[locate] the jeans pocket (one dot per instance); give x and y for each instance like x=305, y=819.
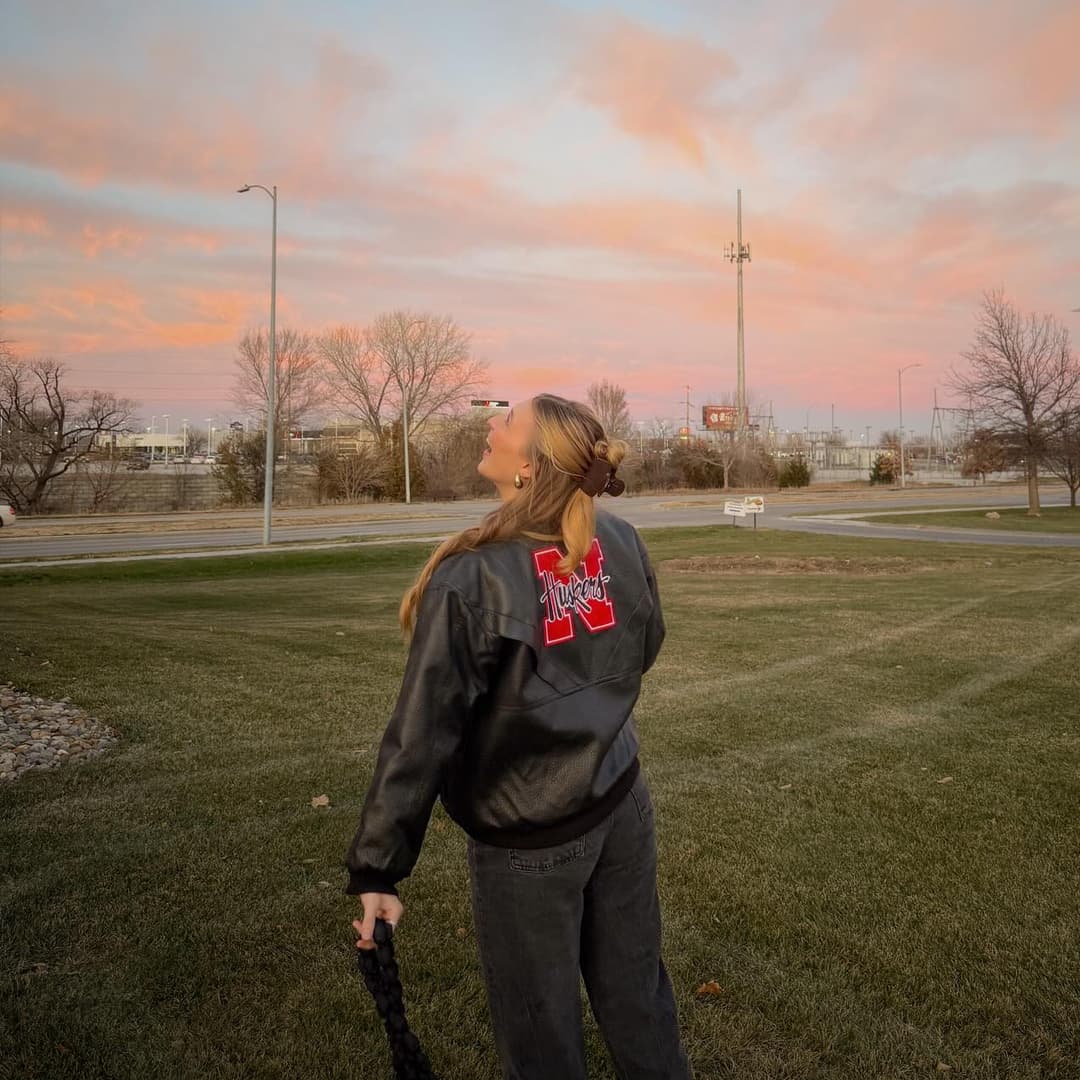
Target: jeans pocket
x=544, y=860
x=642, y=798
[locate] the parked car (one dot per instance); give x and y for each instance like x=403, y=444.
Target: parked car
x=179, y=460
x=7, y=514
x=198, y=459
x=138, y=463
x=211, y=459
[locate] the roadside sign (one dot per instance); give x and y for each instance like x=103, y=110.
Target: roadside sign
x=734, y=508
x=754, y=504
x=491, y=403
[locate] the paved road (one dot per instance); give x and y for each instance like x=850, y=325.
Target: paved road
x=842, y=527
x=191, y=532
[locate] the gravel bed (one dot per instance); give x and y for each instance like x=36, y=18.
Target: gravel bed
x=39, y=733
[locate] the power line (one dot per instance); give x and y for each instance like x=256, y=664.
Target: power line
x=127, y=371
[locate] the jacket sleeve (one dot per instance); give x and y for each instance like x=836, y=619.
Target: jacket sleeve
x=655, y=630
x=451, y=658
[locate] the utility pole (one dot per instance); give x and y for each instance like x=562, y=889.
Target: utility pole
x=405, y=430
x=900, y=402
x=739, y=253
x=687, y=403
x=936, y=426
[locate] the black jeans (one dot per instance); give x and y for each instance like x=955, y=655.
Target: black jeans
x=589, y=905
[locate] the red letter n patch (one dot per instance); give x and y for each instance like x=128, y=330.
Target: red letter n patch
x=564, y=596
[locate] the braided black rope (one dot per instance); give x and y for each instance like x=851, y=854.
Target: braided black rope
x=380, y=972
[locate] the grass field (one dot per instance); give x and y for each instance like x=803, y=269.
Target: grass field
x=865, y=916
x=1053, y=519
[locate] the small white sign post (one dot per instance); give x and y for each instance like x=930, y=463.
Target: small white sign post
x=736, y=508
x=752, y=505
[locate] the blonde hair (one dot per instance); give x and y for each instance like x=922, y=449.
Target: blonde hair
x=552, y=506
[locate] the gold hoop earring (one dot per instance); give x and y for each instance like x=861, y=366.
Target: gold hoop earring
x=518, y=482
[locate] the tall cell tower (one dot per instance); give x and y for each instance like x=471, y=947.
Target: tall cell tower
x=739, y=253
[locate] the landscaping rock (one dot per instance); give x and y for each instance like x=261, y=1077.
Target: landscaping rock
x=39, y=734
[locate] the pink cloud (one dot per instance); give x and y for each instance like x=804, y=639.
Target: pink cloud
x=86, y=314
x=53, y=226
x=939, y=78
x=94, y=125
x=657, y=87
x=95, y=241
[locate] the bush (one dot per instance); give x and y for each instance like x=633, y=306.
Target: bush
x=757, y=468
x=391, y=451
x=450, y=456
x=883, y=470
x=794, y=473
x=240, y=468
x=351, y=477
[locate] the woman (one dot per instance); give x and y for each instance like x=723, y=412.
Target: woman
x=530, y=634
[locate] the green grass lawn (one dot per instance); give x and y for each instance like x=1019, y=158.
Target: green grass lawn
x=1053, y=519
x=863, y=918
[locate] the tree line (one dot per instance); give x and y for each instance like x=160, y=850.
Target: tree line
x=1022, y=382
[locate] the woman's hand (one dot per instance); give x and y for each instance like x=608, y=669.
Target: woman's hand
x=376, y=906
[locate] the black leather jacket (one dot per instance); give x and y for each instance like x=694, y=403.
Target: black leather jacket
x=516, y=706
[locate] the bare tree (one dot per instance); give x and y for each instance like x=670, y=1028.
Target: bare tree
x=359, y=380
x=1021, y=374
x=106, y=479
x=198, y=440
x=608, y=401
x=983, y=453
x=299, y=387
x=47, y=428
x=403, y=359
x=662, y=429
x=1063, y=450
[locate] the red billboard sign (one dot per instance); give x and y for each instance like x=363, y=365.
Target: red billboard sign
x=723, y=417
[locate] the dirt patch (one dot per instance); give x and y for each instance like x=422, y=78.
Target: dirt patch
x=782, y=564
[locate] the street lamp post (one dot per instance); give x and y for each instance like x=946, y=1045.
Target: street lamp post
x=185, y=423
x=209, y=435
x=153, y=434
x=900, y=402
x=405, y=431
x=166, y=418
x=268, y=485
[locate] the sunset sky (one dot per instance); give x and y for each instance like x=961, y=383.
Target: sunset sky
x=558, y=177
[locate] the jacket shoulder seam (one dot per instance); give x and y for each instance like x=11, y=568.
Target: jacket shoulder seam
x=468, y=607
